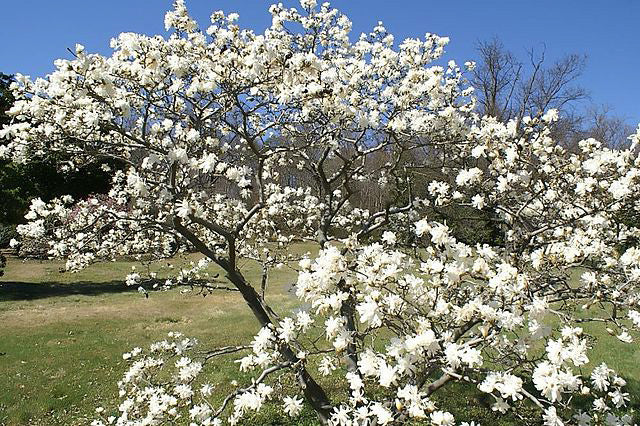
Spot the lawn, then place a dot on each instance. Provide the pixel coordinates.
(63, 335)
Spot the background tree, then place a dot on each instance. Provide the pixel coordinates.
(510, 89)
(496, 78)
(20, 183)
(6, 98)
(601, 123)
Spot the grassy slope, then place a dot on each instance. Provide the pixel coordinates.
(63, 335)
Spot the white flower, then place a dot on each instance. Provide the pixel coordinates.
(634, 316)
(601, 376)
(326, 366)
(442, 418)
(468, 177)
(206, 390)
(582, 418)
(478, 151)
(199, 412)
(179, 155)
(189, 371)
(132, 279)
(184, 209)
(333, 326)
(551, 116)
(625, 337)
(510, 386)
(308, 4)
(287, 329)
(387, 374)
(426, 340)
(500, 406)
(183, 391)
(292, 405)
(478, 202)
(551, 418)
(619, 399)
(422, 227)
(264, 390)
(439, 234)
(342, 340)
(389, 238)
(383, 414)
(369, 313)
(304, 320)
(368, 364)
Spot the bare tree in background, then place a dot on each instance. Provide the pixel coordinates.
(496, 78)
(553, 86)
(509, 89)
(601, 123)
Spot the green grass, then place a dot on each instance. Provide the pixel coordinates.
(62, 337)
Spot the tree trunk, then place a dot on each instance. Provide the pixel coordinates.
(313, 392)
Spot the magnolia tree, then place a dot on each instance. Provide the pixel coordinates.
(218, 127)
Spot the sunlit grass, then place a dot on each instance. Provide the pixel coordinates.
(62, 346)
(63, 335)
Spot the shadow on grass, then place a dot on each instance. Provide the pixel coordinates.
(14, 291)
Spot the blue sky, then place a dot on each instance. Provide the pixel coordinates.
(36, 32)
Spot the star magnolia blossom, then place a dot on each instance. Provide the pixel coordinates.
(236, 144)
